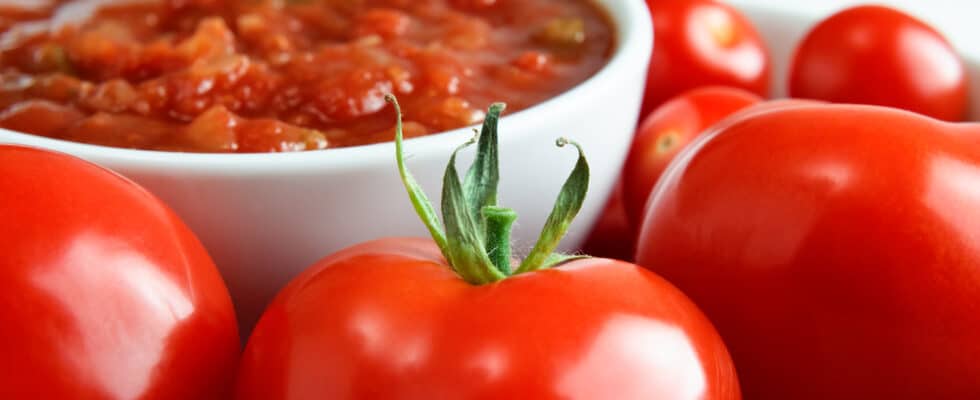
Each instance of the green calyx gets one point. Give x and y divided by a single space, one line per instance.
476 239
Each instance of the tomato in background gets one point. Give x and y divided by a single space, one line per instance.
661 135
881 56
104 293
835 248
703 42
666 131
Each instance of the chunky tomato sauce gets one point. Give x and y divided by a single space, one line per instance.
282 75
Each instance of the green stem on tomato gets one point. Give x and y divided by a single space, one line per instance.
569 202
467 252
480 185
499 221
423 207
476 241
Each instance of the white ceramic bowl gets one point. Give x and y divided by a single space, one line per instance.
265 217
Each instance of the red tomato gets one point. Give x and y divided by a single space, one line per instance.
104 293
699 43
668 130
393 319
389 319
660 137
836 248
614 234
877 55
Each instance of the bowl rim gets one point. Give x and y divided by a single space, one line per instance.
634 38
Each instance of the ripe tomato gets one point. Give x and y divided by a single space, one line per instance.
877 55
659 138
392 318
666 131
104 293
699 43
836 248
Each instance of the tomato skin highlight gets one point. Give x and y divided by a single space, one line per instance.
389 319
104 293
834 247
703 43
881 56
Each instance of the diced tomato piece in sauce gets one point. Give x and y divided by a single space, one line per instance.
40 116
384 22
121 130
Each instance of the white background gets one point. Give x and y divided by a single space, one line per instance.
959 20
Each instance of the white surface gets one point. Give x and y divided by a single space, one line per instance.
266 217
783 25
957 19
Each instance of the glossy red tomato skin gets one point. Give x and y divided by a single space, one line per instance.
104 293
834 247
881 56
702 43
666 131
388 319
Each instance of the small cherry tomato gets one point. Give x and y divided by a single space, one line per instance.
700 43
881 56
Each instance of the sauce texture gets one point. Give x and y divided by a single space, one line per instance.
283 75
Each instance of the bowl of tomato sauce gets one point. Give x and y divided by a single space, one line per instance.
263 123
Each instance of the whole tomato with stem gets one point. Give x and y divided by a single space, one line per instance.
104 292
881 56
456 317
835 247
702 43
